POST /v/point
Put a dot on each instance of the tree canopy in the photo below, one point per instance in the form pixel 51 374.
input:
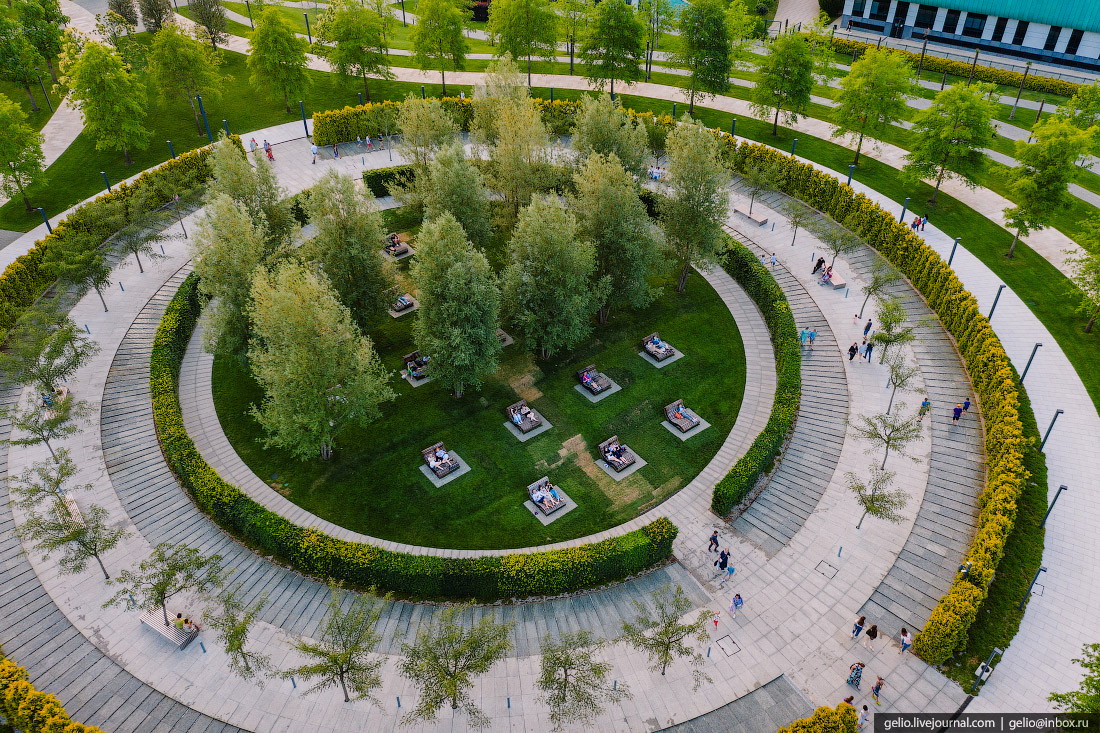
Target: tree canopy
pixel 183 68
pixel 705 48
pixel 614 45
pixel 873 96
pixel 456 187
pixel 354 41
pixel 603 127
pixel 437 37
pixel 524 28
pixel 786 78
pixel 277 57
pixel 21 159
pixel 111 100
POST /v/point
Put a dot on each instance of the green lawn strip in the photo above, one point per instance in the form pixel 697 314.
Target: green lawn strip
pixel 1047 292
pixel 1000 617
pixel 293 16
pixel 374 484
pixel 37 120
pixel 232 27
pixel 76 174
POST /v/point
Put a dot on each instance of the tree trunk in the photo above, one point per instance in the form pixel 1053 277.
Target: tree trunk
pixel 601 316
pixel 682 283
pixel 105 575
pixel 286 100
pixel 443 76
pixel 939 180
pixel 195 114
pixel 752 197
pixel 164 610
pixel 691 99
pixel 15 177
pixel 528 71
pixel 864 306
pixel 458 392
pixel 344 687
pixel 612 87
pixel 884 457
pixel 52 454
pixel 891 404
pixel 775 123
pixel 860 524
pixel 140 268
pixel 1012 249
pixel 366 89
pixel 53 72
pixel 859 146
pixel 126 155
pixel 326 451
pixel 1088 326
pixel 101 300
pixel 30 95
pixel 794 235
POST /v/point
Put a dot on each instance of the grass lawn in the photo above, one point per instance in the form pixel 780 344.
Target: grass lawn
pixel 37 120
pixel 374 484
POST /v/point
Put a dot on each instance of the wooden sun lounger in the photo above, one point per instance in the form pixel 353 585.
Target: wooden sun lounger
pixel 400 249
pixel 617 463
pixel 398 306
pixel 444 468
pixel 598 382
pixel 529 419
pixel 543 482
pixel 410 364
pixel 657 354
pixel 684 423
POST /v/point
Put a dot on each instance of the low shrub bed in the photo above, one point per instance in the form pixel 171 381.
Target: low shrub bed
pixel 986 361
pixel 515 575
pixel 746 269
pixel 841 719
pixel 30 711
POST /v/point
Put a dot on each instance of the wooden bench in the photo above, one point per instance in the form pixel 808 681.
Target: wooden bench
pixel 154 619
pixel 403 303
pixel 838 282
pixel 529 419
pixel 414 365
pixel 544 483
pixel 658 354
pixel 68 513
pixel 618 464
pixel 754 219
pixel 596 382
pixel 684 423
pixel 442 468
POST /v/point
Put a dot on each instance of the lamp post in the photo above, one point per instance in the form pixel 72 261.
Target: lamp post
pixel 1051 427
pixel 249 7
pixel 226 126
pixel 851 168
pixel 1030 587
pixel 1061 488
pixel 733 128
pixel 972 67
pixel 986 669
pixel 794 144
pixel 1036 348
pixel 309 34
pixel 923 48
pixel 1012 114
pixel 209 136
pixel 998 297
pixel 403 24
pixel 303 108
pixel 104 174
pixel 953 248
pixel 171 149
pixel 47 96
pixel 904 208
pixel 50 230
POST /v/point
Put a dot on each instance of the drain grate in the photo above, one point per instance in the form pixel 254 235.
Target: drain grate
pixel 826 569
pixel 728 645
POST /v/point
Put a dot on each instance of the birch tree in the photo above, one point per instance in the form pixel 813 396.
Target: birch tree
pixel 663 637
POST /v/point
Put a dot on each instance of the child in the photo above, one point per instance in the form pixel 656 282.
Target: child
pixel 269 155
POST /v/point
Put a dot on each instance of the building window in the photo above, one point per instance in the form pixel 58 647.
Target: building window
pixel 926 16
pixel 1074 42
pixel 951 21
pixel 999 30
pixel 858 8
pixel 1052 38
pixel 880 9
pixel 974 25
pixel 1021 31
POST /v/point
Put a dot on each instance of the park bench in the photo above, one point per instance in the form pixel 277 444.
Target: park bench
pixel 544 484
pixel 659 353
pixel 441 468
pixel 618 464
pixel 154 619
pixel 687 419
pixel 414 365
pixel 528 418
pixel 595 382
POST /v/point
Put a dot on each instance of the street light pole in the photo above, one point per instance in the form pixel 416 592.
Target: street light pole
pixel 47 96
pixel 999 291
pixel 1029 588
pixel 1061 488
pixel 953 248
pixel 987 666
pixel 1056 414
pixel 1029 362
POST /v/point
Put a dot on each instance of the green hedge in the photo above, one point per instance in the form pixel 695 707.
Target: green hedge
pixel 349 123
pixel 29 710
pixel 768 296
pixel 841 719
pixel 378 180
pixel 516 575
pixel 986 361
pixel 23 280
pixel 1035 82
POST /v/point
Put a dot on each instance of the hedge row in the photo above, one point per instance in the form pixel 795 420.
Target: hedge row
pixel 517 575
pixel 368 120
pixel 1035 82
pixel 986 361
pixel 378 180
pixel 29 710
pixel 768 296
pixel 841 719
pixel 24 280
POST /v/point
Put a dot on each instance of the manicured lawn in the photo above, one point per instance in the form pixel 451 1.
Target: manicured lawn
pixel 18 94
pixel 374 484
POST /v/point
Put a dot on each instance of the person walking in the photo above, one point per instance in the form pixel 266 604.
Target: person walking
pixel 956 414
pixel 736 605
pixel 867 328
pixel 252 145
pixel 924 219
pixel 870 348
pixel 858 627
pixel 853 350
pixel 848 700
pixel 966 405
pixel 869 638
pixel 314 149
pixel 818 265
pixel 805 334
pixel 813 337
pixel 855 319
pixel 763 260
pixel 723 560
pixel 863 348
pixel 713 547
pixel 855 674
pixel 715 619
pixel 906 640
pixel 864 716
pixel 730 569
pixel 879 684
pixel 270 155
pixel 267 146
pixel 773 260
pixel 924 408
pixel 335 152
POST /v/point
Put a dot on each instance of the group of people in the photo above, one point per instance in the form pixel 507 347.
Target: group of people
pixel 186 624
pixel 918 223
pixel 545 495
pixel 615 453
pixel 393 243
pixel 656 174
pixel 438 459
pixel 657 347
pixel 252 146
pixel 416 366
pixel 807 337
pixel 521 413
pixel 827 272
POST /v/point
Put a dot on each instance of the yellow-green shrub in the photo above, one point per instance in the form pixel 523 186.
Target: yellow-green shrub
pixel 841 719
pixel 986 361
pixel 29 710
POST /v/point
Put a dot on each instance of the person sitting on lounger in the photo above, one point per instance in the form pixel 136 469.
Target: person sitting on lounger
pixel 442 455
pixel 415 371
pixel 827 277
pixel 403 301
pixel 393 244
pixel 586 379
pixel 433 463
pixel 543 499
pixel 517 418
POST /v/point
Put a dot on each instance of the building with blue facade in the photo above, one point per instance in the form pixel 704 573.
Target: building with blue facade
pixel 1063 32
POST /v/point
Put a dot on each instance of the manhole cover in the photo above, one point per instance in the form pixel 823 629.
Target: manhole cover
pixel 826 569
pixel 728 645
